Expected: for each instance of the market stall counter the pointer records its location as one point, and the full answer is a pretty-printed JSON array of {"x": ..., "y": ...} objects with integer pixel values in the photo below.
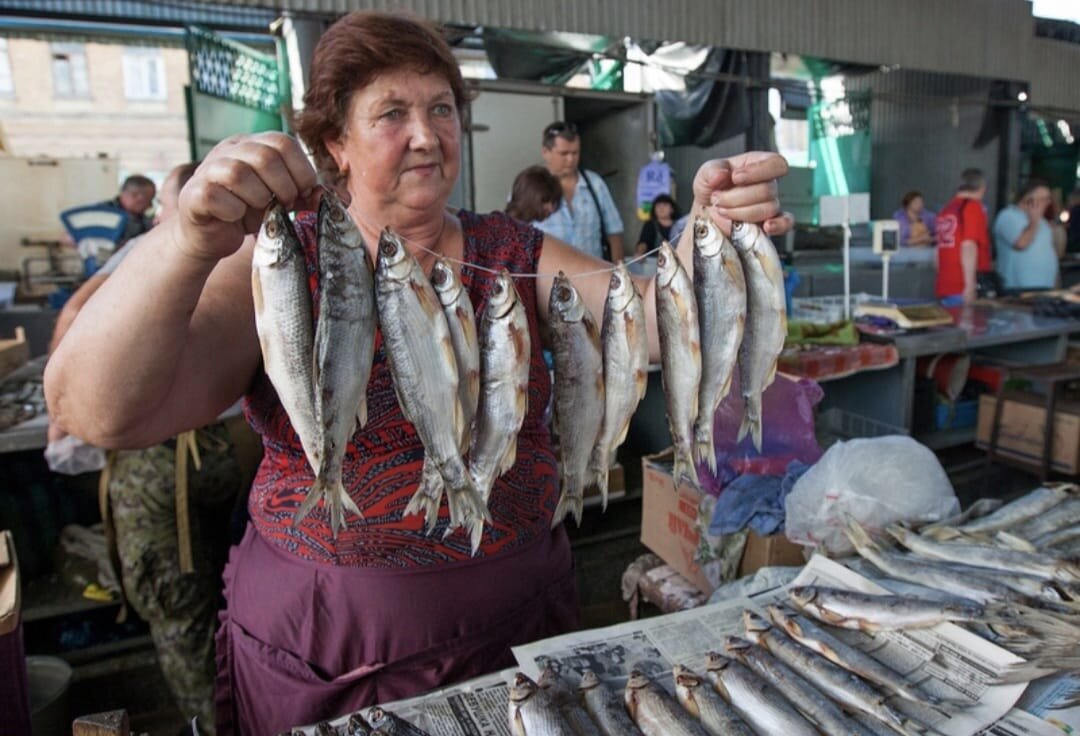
[{"x": 1009, "y": 335}]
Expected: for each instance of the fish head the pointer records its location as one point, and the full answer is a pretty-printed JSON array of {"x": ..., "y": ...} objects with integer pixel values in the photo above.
[
  {"x": 522, "y": 689},
  {"x": 621, "y": 288},
  {"x": 686, "y": 685},
  {"x": 707, "y": 237},
  {"x": 336, "y": 223},
  {"x": 358, "y": 724},
  {"x": 667, "y": 265},
  {"x": 378, "y": 718},
  {"x": 548, "y": 677},
  {"x": 503, "y": 295},
  {"x": 394, "y": 261},
  {"x": 589, "y": 680},
  {"x": 802, "y": 595},
  {"x": 277, "y": 241},
  {"x": 685, "y": 677},
  {"x": 445, "y": 281},
  {"x": 781, "y": 618},
  {"x": 716, "y": 662},
  {"x": 754, "y": 623},
  {"x": 565, "y": 303},
  {"x": 744, "y": 235},
  {"x": 638, "y": 681},
  {"x": 736, "y": 646}
]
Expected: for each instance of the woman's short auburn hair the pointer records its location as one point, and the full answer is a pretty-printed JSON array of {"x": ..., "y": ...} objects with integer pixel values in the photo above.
[{"x": 351, "y": 54}]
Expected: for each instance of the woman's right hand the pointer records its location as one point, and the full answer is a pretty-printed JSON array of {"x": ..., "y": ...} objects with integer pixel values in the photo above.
[{"x": 228, "y": 195}]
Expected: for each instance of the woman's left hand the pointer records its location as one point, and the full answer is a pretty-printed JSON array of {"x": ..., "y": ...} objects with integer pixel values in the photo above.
[{"x": 743, "y": 189}]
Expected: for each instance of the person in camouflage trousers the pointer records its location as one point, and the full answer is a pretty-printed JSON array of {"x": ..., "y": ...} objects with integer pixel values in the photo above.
[{"x": 180, "y": 607}]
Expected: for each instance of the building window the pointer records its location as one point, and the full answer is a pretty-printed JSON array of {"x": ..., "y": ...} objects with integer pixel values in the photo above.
[
  {"x": 144, "y": 74},
  {"x": 7, "y": 84},
  {"x": 70, "y": 79}
]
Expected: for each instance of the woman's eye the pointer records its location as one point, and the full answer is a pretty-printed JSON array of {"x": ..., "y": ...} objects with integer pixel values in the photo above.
[
  {"x": 395, "y": 114},
  {"x": 443, "y": 110}
]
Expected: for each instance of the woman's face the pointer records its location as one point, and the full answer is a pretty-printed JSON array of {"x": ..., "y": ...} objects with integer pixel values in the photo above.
[
  {"x": 664, "y": 210},
  {"x": 915, "y": 206},
  {"x": 400, "y": 147}
]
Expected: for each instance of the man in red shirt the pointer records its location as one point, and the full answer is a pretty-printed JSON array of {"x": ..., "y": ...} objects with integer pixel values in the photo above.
[{"x": 963, "y": 240}]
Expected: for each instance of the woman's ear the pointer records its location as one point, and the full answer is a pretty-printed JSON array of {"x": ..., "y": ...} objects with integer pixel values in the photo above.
[{"x": 336, "y": 148}]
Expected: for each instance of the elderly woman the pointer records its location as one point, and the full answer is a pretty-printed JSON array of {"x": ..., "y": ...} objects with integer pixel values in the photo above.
[{"x": 317, "y": 626}]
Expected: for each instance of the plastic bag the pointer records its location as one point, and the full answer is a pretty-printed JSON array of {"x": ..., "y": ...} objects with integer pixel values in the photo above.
[
  {"x": 876, "y": 481},
  {"x": 788, "y": 432},
  {"x": 71, "y": 456}
]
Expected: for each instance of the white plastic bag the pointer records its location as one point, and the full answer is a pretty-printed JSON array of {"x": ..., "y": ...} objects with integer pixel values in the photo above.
[
  {"x": 71, "y": 456},
  {"x": 877, "y": 481}
]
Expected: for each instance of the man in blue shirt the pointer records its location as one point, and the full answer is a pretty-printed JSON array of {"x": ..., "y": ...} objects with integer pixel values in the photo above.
[
  {"x": 1026, "y": 258},
  {"x": 587, "y": 212}
]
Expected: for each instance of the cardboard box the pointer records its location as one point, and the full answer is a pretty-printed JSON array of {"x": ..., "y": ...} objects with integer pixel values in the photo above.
[
  {"x": 669, "y": 527},
  {"x": 1021, "y": 435}
]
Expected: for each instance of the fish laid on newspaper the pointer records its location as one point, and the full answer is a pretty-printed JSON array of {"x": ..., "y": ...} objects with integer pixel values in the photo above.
[
  {"x": 422, "y": 364},
  {"x": 579, "y": 392},
  {"x": 606, "y": 707},
  {"x": 766, "y": 321},
  {"x": 461, "y": 321},
  {"x": 625, "y": 344},
  {"x": 655, "y": 712},
  {"x": 758, "y": 702},
  {"x": 848, "y": 609},
  {"x": 720, "y": 291},
  {"x": 701, "y": 700},
  {"x": 283, "y": 320},
  {"x": 533, "y": 712},
  {"x": 680, "y": 356},
  {"x": 568, "y": 703},
  {"x": 391, "y": 724},
  {"x": 505, "y": 351},
  {"x": 1026, "y": 507},
  {"x": 344, "y": 349}
]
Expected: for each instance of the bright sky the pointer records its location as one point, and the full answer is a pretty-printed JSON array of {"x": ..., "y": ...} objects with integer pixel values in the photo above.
[{"x": 1062, "y": 9}]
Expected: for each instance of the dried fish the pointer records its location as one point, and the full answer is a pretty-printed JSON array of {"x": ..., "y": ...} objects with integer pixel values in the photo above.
[
  {"x": 533, "y": 711},
  {"x": 606, "y": 707},
  {"x": 655, "y": 712},
  {"x": 758, "y": 702},
  {"x": 704, "y": 703}
]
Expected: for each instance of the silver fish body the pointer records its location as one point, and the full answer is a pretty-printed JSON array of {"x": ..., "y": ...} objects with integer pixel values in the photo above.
[
  {"x": 766, "y": 321},
  {"x": 804, "y": 696},
  {"x": 568, "y": 702},
  {"x": 720, "y": 291},
  {"x": 1057, "y": 538},
  {"x": 700, "y": 700},
  {"x": 606, "y": 707},
  {"x": 284, "y": 322},
  {"x": 505, "y": 351},
  {"x": 392, "y": 724},
  {"x": 841, "y": 685},
  {"x": 812, "y": 636},
  {"x": 533, "y": 711},
  {"x": 848, "y": 609},
  {"x": 625, "y": 344},
  {"x": 461, "y": 321},
  {"x": 680, "y": 356},
  {"x": 1061, "y": 516},
  {"x": 422, "y": 364},
  {"x": 759, "y": 703},
  {"x": 344, "y": 349},
  {"x": 579, "y": 392},
  {"x": 655, "y": 712},
  {"x": 1015, "y": 512}
]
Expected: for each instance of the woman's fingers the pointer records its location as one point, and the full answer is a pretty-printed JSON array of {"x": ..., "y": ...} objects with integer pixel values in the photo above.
[
  {"x": 757, "y": 166},
  {"x": 780, "y": 224},
  {"x": 744, "y": 196}
]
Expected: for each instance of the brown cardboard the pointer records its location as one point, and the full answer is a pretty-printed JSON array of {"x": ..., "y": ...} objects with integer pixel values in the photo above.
[
  {"x": 9, "y": 585},
  {"x": 669, "y": 527},
  {"x": 1022, "y": 427},
  {"x": 775, "y": 549}
]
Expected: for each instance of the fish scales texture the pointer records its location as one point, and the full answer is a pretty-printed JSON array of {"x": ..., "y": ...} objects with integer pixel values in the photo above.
[
  {"x": 759, "y": 703},
  {"x": 1024, "y": 508},
  {"x": 392, "y": 724},
  {"x": 533, "y": 712},
  {"x": 860, "y": 611},
  {"x": 720, "y": 291},
  {"x": 579, "y": 392},
  {"x": 1058, "y": 517},
  {"x": 421, "y": 360},
  {"x": 505, "y": 349},
  {"x": 804, "y": 696},
  {"x": 680, "y": 357},
  {"x": 851, "y": 658},
  {"x": 699, "y": 699},
  {"x": 836, "y": 682},
  {"x": 655, "y": 712},
  {"x": 284, "y": 323},
  {"x": 461, "y": 321},
  {"x": 625, "y": 346},
  {"x": 766, "y": 322},
  {"x": 568, "y": 702},
  {"x": 344, "y": 350},
  {"x": 606, "y": 707}
]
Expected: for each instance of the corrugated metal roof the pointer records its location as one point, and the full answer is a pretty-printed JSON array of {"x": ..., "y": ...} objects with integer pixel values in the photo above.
[{"x": 209, "y": 14}]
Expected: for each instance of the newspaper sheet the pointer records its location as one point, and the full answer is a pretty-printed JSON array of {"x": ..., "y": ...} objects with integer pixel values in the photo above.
[
  {"x": 946, "y": 660},
  {"x": 477, "y": 707},
  {"x": 1049, "y": 698}
]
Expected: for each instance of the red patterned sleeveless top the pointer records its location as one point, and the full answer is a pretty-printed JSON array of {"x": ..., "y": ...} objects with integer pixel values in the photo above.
[{"x": 384, "y": 459}]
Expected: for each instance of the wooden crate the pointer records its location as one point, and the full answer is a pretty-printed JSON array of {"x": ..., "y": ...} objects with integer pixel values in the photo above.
[{"x": 14, "y": 353}]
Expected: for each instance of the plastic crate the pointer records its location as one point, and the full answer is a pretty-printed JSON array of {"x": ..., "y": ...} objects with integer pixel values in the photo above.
[
  {"x": 961, "y": 415},
  {"x": 847, "y": 425}
]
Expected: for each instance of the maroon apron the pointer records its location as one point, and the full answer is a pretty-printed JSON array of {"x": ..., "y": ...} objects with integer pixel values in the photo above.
[{"x": 302, "y": 641}]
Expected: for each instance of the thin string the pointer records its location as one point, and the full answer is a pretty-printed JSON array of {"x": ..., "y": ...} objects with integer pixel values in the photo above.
[{"x": 496, "y": 272}]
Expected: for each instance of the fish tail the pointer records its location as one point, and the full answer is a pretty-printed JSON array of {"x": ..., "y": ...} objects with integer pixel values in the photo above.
[
  {"x": 599, "y": 468},
  {"x": 427, "y": 498},
  {"x": 314, "y": 495},
  {"x": 568, "y": 503},
  {"x": 751, "y": 421},
  {"x": 337, "y": 499},
  {"x": 684, "y": 469},
  {"x": 467, "y": 508},
  {"x": 704, "y": 451}
]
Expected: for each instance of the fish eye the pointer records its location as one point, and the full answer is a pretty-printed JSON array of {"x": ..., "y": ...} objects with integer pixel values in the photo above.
[
  {"x": 700, "y": 229},
  {"x": 388, "y": 247},
  {"x": 498, "y": 289},
  {"x": 616, "y": 282},
  {"x": 563, "y": 294},
  {"x": 337, "y": 214},
  {"x": 273, "y": 228},
  {"x": 661, "y": 260},
  {"x": 438, "y": 275}
]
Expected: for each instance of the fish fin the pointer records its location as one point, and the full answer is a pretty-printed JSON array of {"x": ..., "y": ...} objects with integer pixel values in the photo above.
[
  {"x": 508, "y": 458},
  {"x": 1012, "y": 541},
  {"x": 568, "y": 504},
  {"x": 751, "y": 421},
  {"x": 314, "y": 495},
  {"x": 428, "y": 497},
  {"x": 641, "y": 383},
  {"x": 361, "y": 412},
  {"x": 858, "y": 536},
  {"x": 704, "y": 451},
  {"x": 684, "y": 469},
  {"x": 771, "y": 377},
  {"x": 467, "y": 508}
]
